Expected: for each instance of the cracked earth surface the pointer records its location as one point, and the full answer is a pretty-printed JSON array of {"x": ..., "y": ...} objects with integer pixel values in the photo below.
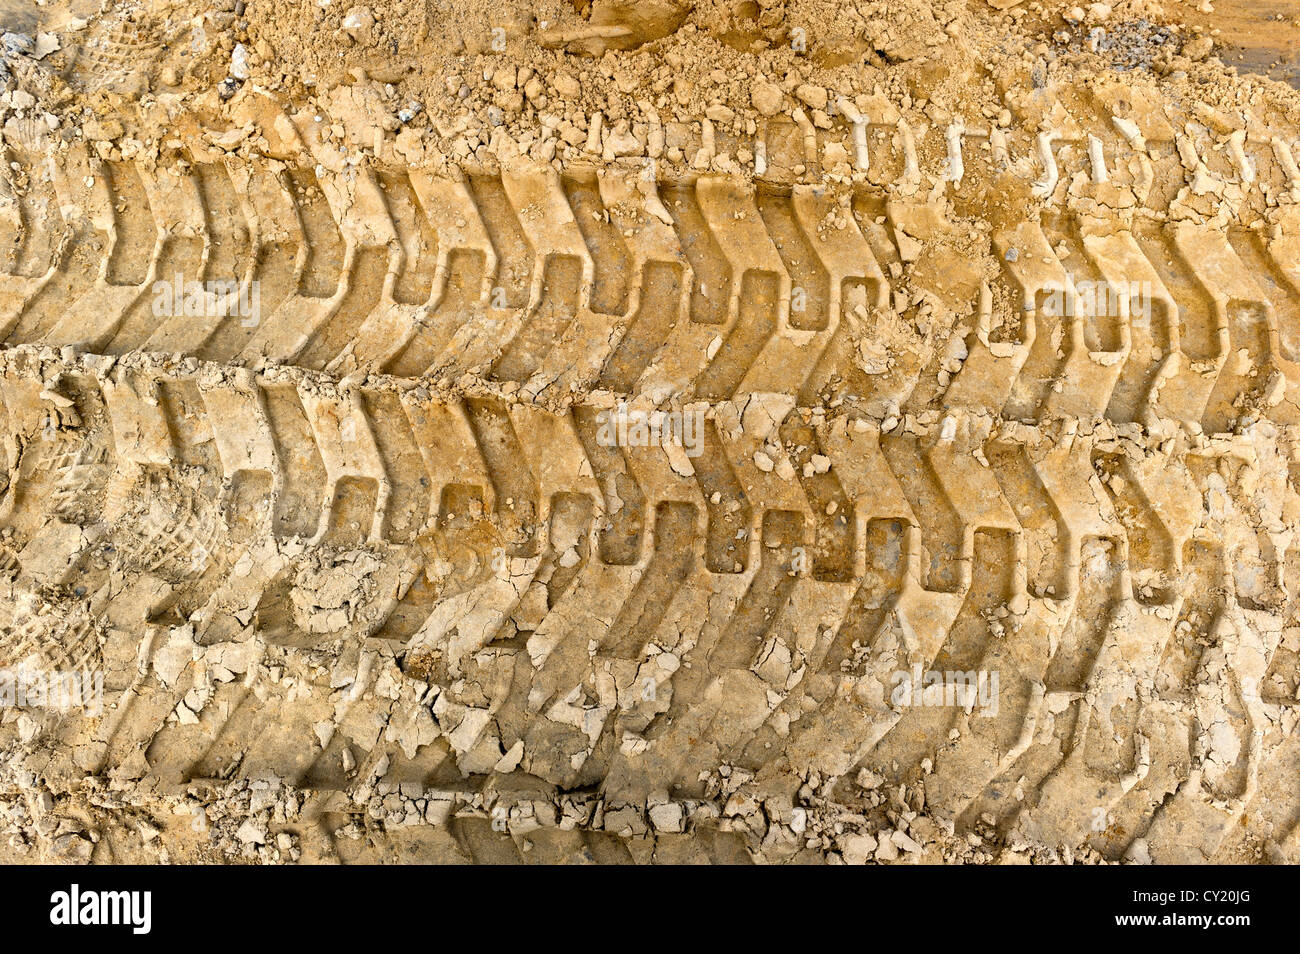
[{"x": 450, "y": 431}]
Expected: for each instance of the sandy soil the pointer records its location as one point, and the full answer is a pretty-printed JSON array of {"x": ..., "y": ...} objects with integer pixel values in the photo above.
[{"x": 810, "y": 431}]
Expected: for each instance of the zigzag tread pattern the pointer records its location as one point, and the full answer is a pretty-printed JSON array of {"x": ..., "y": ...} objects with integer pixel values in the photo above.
[
  {"x": 559, "y": 285},
  {"x": 382, "y": 487},
  {"x": 441, "y": 591}
]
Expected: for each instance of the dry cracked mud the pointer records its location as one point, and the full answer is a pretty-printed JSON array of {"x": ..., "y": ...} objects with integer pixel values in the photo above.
[{"x": 784, "y": 430}]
